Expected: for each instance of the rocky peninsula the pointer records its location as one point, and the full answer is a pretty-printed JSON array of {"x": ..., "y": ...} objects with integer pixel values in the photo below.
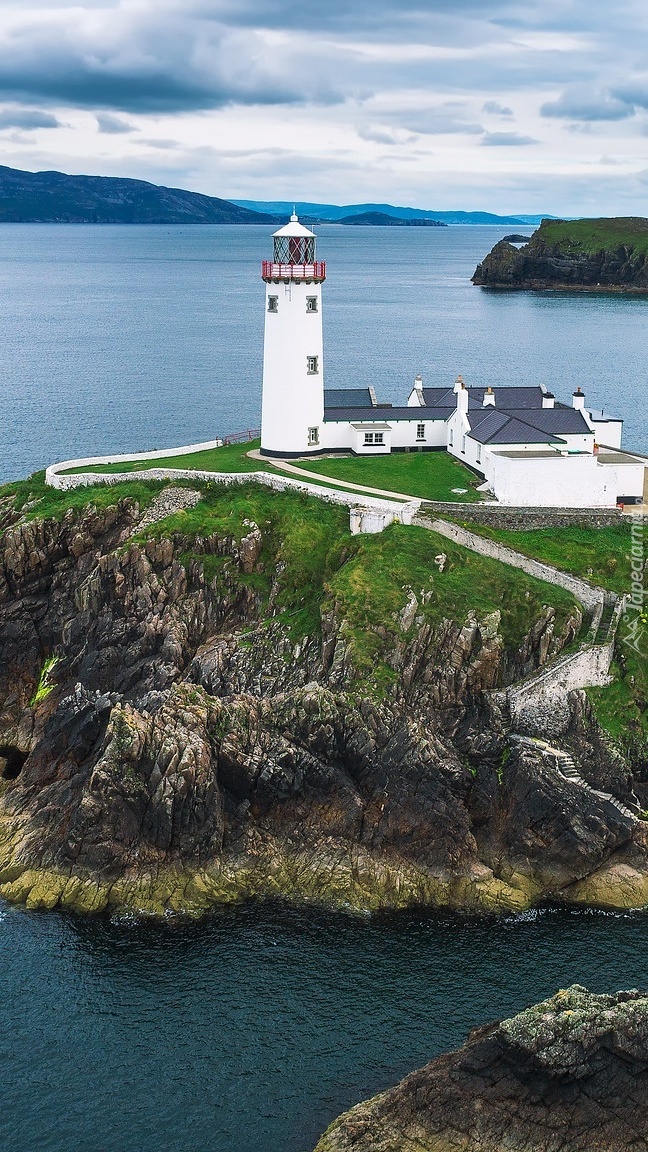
[
  {"x": 570, "y": 1073},
  {"x": 588, "y": 255},
  {"x": 208, "y": 696}
]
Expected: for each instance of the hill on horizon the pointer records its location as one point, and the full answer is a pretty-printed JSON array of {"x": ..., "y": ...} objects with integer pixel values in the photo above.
[
  {"x": 56, "y": 198},
  {"x": 334, "y": 213}
]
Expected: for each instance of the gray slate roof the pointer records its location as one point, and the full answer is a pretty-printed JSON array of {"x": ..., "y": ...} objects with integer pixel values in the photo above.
[
  {"x": 347, "y": 398},
  {"x": 417, "y": 415}
]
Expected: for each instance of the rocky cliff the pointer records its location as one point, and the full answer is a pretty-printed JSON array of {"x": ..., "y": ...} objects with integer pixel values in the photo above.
[
  {"x": 580, "y": 254},
  {"x": 169, "y": 741},
  {"x": 570, "y": 1073}
]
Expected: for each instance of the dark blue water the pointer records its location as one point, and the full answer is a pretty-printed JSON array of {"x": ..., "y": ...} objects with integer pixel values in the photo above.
[
  {"x": 125, "y": 338},
  {"x": 250, "y": 1032}
]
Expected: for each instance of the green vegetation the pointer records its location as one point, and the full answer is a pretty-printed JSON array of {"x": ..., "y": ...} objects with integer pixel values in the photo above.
[
  {"x": 229, "y": 458},
  {"x": 36, "y": 500},
  {"x": 45, "y": 685},
  {"x": 600, "y": 555},
  {"x": 373, "y": 586},
  {"x": 429, "y": 475},
  {"x": 592, "y": 236}
]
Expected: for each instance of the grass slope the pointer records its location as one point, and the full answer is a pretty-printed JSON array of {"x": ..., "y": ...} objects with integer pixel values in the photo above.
[
  {"x": 429, "y": 475},
  {"x": 37, "y": 500},
  {"x": 229, "y": 458},
  {"x": 592, "y": 236}
]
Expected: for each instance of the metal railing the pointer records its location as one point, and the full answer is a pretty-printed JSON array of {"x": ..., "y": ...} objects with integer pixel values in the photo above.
[
  {"x": 242, "y": 437},
  {"x": 271, "y": 271}
]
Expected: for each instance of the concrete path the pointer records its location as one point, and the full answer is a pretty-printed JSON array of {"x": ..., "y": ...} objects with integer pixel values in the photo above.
[{"x": 306, "y": 474}]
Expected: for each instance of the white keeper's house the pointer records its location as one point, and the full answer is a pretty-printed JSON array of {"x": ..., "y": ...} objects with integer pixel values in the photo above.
[{"x": 527, "y": 446}]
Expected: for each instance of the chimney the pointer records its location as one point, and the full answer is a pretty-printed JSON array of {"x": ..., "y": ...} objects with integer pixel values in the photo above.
[
  {"x": 462, "y": 395},
  {"x": 418, "y": 380},
  {"x": 548, "y": 400},
  {"x": 578, "y": 399},
  {"x": 489, "y": 398}
]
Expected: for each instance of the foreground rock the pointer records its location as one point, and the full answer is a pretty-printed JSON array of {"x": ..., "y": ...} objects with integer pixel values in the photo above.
[
  {"x": 191, "y": 753},
  {"x": 582, "y": 254},
  {"x": 568, "y": 1075}
]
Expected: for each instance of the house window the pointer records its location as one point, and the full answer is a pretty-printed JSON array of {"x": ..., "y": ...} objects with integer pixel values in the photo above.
[
  {"x": 312, "y": 365},
  {"x": 420, "y": 431},
  {"x": 273, "y": 303},
  {"x": 479, "y": 453},
  {"x": 463, "y": 444},
  {"x": 311, "y": 303},
  {"x": 313, "y": 436},
  {"x": 451, "y": 438},
  {"x": 374, "y": 438}
]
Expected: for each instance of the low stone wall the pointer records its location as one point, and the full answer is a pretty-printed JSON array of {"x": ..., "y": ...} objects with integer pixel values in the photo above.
[
  {"x": 367, "y": 513},
  {"x": 524, "y": 519},
  {"x": 587, "y": 594}
]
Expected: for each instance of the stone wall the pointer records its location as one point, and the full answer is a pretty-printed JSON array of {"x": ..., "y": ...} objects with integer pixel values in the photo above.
[
  {"x": 521, "y": 519},
  {"x": 587, "y": 594},
  {"x": 539, "y": 705}
]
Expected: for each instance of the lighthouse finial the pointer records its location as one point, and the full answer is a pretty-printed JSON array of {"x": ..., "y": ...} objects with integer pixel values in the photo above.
[{"x": 294, "y": 216}]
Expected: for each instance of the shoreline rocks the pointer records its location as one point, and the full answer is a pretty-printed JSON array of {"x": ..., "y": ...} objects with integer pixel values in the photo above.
[{"x": 570, "y": 1073}]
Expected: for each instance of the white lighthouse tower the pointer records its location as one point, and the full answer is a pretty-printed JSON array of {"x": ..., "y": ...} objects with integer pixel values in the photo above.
[{"x": 293, "y": 363}]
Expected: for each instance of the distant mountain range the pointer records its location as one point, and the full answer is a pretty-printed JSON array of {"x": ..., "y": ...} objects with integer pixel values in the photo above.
[
  {"x": 335, "y": 212},
  {"x": 53, "y": 197}
]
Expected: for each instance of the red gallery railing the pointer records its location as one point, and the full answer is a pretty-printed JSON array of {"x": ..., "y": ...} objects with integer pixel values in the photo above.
[{"x": 316, "y": 271}]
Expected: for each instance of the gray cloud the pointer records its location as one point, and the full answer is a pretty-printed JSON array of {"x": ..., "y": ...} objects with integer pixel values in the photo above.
[
  {"x": 113, "y": 125},
  {"x": 494, "y": 108},
  {"x": 585, "y": 103},
  {"x": 28, "y": 119},
  {"x": 506, "y": 139}
]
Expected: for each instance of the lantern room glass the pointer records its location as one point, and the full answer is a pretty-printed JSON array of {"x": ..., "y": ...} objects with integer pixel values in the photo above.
[{"x": 294, "y": 250}]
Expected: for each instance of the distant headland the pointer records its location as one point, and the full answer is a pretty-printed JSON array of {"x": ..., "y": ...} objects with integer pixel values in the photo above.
[{"x": 590, "y": 255}]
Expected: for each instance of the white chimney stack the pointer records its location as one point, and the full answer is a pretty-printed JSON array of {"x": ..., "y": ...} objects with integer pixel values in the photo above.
[
  {"x": 489, "y": 398},
  {"x": 418, "y": 380},
  {"x": 548, "y": 400},
  {"x": 462, "y": 395},
  {"x": 578, "y": 399}
]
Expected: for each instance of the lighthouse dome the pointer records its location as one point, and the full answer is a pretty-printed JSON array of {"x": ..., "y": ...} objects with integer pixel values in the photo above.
[{"x": 294, "y": 228}]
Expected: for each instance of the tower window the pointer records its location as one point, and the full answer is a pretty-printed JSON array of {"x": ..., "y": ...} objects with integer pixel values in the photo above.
[
  {"x": 312, "y": 365},
  {"x": 273, "y": 303},
  {"x": 313, "y": 436},
  {"x": 420, "y": 431},
  {"x": 311, "y": 303}
]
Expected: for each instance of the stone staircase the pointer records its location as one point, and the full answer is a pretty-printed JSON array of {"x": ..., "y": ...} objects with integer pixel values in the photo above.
[{"x": 567, "y": 768}]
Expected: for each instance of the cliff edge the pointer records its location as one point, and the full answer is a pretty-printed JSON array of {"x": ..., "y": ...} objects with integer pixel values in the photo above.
[
  {"x": 238, "y": 698},
  {"x": 606, "y": 254},
  {"x": 570, "y": 1073}
]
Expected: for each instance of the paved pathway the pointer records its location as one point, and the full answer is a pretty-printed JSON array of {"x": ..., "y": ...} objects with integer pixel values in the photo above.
[{"x": 305, "y": 474}]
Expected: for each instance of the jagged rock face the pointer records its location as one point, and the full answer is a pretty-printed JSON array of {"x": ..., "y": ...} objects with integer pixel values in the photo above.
[
  {"x": 540, "y": 264},
  {"x": 191, "y": 742},
  {"x": 569, "y": 1074}
]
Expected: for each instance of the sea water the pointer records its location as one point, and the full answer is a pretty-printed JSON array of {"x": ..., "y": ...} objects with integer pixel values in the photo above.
[
  {"x": 250, "y": 1031},
  {"x": 122, "y": 338}
]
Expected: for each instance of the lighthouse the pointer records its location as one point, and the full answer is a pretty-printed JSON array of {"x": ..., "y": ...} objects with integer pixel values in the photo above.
[{"x": 292, "y": 411}]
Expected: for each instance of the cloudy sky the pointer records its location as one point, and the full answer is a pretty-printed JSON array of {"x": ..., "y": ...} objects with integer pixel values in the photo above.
[{"x": 506, "y": 106}]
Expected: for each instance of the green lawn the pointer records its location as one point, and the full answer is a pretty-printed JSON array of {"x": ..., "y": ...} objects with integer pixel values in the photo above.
[
  {"x": 601, "y": 555},
  {"x": 229, "y": 458},
  {"x": 575, "y": 236},
  {"x": 429, "y": 475}
]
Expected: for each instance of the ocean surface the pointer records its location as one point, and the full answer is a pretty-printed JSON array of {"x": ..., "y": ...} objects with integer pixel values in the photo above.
[
  {"x": 251, "y": 1031},
  {"x": 120, "y": 338}
]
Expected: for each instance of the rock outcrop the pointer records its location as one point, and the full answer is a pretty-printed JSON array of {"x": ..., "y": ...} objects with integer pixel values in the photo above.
[
  {"x": 570, "y": 1073},
  {"x": 181, "y": 749},
  {"x": 554, "y": 259}
]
